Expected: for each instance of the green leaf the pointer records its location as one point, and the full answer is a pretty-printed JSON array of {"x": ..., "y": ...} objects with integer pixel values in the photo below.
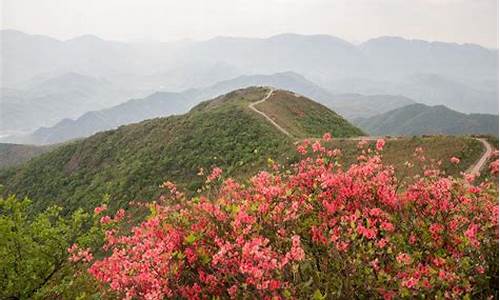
[
  {"x": 318, "y": 296},
  {"x": 190, "y": 239}
]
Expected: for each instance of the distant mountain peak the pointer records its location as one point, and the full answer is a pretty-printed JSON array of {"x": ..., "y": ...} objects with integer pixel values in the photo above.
[
  {"x": 21, "y": 35},
  {"x": 71, "y": 78},
  {"x": 397, "y": 40},
  {"x": 284, "y": 74},
  {"x": 310, "y": 37},
  {"x": 86, "y": 38}
]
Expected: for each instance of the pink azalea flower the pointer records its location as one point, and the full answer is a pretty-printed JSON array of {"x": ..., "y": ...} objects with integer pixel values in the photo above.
[
  {"x": 216, "y": 173},
  {"x": 380, "y": 144},
  {"x": 100, "y": 209}
]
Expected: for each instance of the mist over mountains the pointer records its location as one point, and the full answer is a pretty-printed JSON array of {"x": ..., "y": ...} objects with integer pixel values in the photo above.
[
  {"x": 44, "y": 102},
  {"x": 161, "y": 104},
  {"x": 61, "y": 85}
]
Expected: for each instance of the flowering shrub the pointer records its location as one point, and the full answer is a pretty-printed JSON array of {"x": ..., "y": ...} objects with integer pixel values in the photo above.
[
  {"x": 494, "y": 163},
  {"x": 315, "y": 231}
]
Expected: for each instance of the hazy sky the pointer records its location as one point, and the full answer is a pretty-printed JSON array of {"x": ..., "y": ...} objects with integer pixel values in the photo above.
[{"x": 460, "y": 21}]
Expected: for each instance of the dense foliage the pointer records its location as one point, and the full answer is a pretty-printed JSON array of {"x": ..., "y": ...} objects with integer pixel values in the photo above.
[
  {"x": 313, "y": 231},
  {"x": 130, "y": 162},
  {"x": 33, "y": 251}
]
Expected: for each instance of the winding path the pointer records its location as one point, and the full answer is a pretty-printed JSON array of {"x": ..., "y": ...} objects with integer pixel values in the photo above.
[
  {"x": 284, "y": 131},
  {"x": 252, "y": 107},
  {"x": 474, "y": 169}
]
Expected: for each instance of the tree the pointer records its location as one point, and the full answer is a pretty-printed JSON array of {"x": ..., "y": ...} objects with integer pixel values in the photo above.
[{"x": 34, "y": 249}]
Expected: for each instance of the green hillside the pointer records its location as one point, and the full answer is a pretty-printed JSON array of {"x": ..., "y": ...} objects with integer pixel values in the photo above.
[{"x": 129, "y": 163}]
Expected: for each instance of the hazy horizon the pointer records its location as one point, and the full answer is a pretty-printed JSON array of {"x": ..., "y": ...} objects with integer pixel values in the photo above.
[
  {"x": 326, "y": 46},
  {"x": 355, "y": 42},
  {"x": 454, "y": 21}
]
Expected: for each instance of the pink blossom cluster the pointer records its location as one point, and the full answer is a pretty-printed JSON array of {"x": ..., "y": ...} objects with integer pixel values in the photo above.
[
  {"x": 100, "y": 209},
  {"x": 494, "y": 164},
  {"x": 455, "y": 160},
  {"x": 494, "y": 167},
  {"x": 77, "y": 254},
  {"x": 216, "y": 173},
  {"x": 351, "y": 232}
]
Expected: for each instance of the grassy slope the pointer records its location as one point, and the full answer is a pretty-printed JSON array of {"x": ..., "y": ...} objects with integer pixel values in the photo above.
[
  {"x": 304, "y": 118},
  {"x": 397, "y": 152}
]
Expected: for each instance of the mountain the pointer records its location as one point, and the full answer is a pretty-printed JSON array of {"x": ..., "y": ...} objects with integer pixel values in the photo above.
[
  {"x": 130, "y": 162},
  {"x": 14, "y": 154},
  {"x": 430, "y": 89},
  {"x": 386, "y": 65},
  {"x": 419, "y": 119},
  {"x": 140, "y": 66},
  {"x": 25, "y": 56},
  {"x": 159, "y": 104},
  {"x": 165, "y": 104},
  {"x": 459, "y": 62},
  {"x": 350, "y": 106},
  {"x": 284, "y": 80},
  {"x": 315, "y": 56},
  {"x": 43, "y": 102},
  {"x": 323, "y": 57},
  {"x": 468, "y": 74}
]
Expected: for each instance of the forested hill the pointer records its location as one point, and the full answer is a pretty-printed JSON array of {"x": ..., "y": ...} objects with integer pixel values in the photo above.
[{"x": 130, "y": 162}]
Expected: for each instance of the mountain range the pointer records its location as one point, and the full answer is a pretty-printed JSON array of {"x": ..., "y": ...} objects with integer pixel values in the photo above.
[
  {"x": 462, "y": 76},
  {"x": 44, "y": 102},
  {"x": 431, "y": 89},
  {"x": 373, "y": 113},
  {"x": 167, "y": 103}
]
